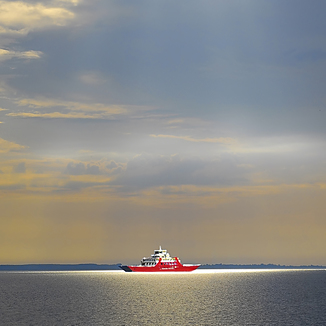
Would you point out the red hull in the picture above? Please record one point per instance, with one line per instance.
(161, 267)
(167, 269)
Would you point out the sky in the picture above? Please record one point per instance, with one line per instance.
(197, 126)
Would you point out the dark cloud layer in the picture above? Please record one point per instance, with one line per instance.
(147, 171)
(80, 168)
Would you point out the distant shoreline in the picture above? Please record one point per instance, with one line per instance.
(60, 267)
(101, 267)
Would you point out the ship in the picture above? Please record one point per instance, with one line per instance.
(160, 261)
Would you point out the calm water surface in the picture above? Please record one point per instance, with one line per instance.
(199, 298)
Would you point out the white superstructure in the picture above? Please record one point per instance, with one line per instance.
(153, 260)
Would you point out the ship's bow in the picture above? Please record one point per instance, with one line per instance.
(126, 268)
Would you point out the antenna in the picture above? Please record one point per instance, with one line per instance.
(160, 248)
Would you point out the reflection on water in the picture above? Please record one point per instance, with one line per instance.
(202, 298)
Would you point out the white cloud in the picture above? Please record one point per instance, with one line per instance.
(73, 2)
(8, 146)
(19, 14)
(13, 32)
(7, 54)
(74, 110)
(73, 106)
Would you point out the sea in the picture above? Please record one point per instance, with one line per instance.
(202, 297)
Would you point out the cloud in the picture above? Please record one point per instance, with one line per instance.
(93, 169)
(58, 115)
(76, 168)
(146, 171)
(112, 165)
(73, 2)
(80, 169)
(19, 14)
(78, 106)
(20, 18)
(45, 176)
(20, 168)
(175, 121)
(13, 32)
(7, 54)
(8, 146)
(221, 140)
(92, 78)
(74, 110)
(14, 187)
